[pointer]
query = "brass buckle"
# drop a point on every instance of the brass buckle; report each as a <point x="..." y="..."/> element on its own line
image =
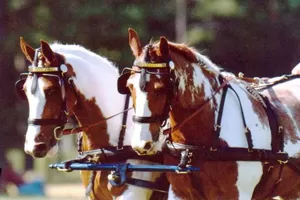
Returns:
<point x="94" y="158"/>
<point x="213" y="149"/>
<point x="283" y="161"/>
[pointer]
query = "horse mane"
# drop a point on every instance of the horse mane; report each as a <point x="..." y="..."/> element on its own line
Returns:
<point x="71" y="50"/>
<point x="190" y="54"/>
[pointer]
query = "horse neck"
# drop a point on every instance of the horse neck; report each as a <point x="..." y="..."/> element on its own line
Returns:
<point x="98" y="99"/>
<point x="195" y="91"/>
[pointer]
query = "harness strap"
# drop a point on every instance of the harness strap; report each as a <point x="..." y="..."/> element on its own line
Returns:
<point x="79" y="143"/>
<point x="227" y="154"/>
<point x="90" y="187"/>
<point x="152" y="119"/>
<point x="247" y="130"/>
<point x="148" y="185"/>
<point x="276" y="130"/>
<point x="124" y="120"/>
<point x="46" y="121"/>
<point x="220" y="115"/>
<point x="178" y="126"/>
<point x="221" y="108"/>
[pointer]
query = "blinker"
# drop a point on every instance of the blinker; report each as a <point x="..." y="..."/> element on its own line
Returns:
<point x="122" y="82"/>
<point x="19" y="88"/>
<point x="34" y="83"/>
<point x="143" y="81"/>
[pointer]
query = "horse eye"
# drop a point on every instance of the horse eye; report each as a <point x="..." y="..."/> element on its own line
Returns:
<point x="50" y="91"/>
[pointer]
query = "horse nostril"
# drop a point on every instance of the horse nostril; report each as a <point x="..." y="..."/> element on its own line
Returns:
<point x="148" y="145"/>
<point x="40" y="146"/>
<point x="40" y="150"/>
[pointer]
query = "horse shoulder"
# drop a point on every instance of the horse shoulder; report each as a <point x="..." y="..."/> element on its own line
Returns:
<point x="241" y="104"/>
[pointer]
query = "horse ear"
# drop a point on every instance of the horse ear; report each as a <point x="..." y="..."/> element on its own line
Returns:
<point x="47" y="51"/>
<point x="164" y="47"/>
<point x="27" y="50"/>
<point x="134" y="42"/>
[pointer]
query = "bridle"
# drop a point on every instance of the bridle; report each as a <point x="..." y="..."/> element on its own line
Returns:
<point x="56" y="72"/>
<point x="145" y="68"/>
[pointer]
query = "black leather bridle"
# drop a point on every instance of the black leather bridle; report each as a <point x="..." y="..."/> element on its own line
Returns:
<point x="40" y="71"/>
<point x="144" y="70"/>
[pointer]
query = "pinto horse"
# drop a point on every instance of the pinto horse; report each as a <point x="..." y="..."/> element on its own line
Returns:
<point x="66" y="80"/>
<point x="246" y="142"/>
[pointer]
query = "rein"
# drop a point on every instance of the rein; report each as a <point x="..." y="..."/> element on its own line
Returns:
<point x="87" y="127"/>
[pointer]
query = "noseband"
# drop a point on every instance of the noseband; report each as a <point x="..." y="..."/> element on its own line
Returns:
<point x="41" y="71"/>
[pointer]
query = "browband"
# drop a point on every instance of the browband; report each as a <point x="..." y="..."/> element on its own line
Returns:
<point x="61" y="68"/>
<point x="43" y="69"/>
<point x="149" y="65"/>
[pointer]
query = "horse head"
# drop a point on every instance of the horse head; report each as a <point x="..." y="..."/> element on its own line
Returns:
<point x="164" y="75"/>
<point x="45" y="88"/>
<point x="150" y="84"/>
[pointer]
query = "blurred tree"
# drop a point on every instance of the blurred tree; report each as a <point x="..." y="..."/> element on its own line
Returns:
<point x="98" y="25"/>
<point x="259" y="38"/>
<point x="7" y="95"/>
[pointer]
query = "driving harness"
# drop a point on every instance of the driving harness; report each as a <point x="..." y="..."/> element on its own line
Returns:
<point x="186" y="153"/>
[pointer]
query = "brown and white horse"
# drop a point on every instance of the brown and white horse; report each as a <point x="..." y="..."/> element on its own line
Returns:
<point x="218" y="119"/>
<point x="71" y="79"/>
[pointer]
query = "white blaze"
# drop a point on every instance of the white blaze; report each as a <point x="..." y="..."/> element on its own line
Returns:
<point x="37" y="103"/>
<point x="141" y="133"/>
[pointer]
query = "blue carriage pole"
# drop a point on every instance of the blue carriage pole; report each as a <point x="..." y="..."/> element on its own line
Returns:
<point x="118" y="175"/>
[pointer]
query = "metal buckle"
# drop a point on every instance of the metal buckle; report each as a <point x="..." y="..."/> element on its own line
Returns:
<point x="217" y="127"/>
<point x="271" y="167"/>
<point x="246" y="129"/>
<point x="55" y="133"/>
<point x="280" y="129"/>
<point x="94" y="158"/>
<point x="213" y="149"/>
<point x="182" y="171"/>
<point x="120" y="148"/>
<point x="283" y="161"/>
